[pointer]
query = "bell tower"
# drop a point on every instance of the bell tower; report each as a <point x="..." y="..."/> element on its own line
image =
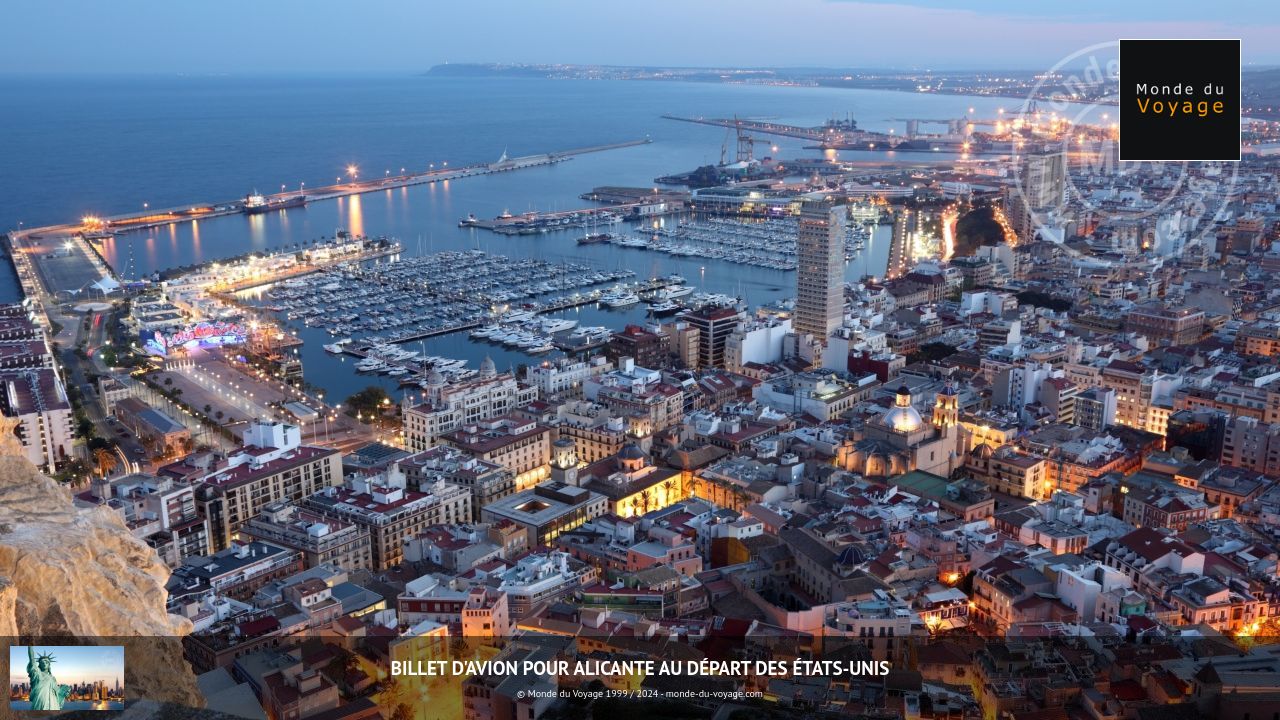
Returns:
<point x="564" y="461"/>
<point x="946" y="411"/>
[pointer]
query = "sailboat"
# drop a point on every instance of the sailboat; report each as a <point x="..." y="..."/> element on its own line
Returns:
<point x="592" y="237"/>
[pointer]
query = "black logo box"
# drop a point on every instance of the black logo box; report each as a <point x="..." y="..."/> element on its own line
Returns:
<point x="1186" y="65"/>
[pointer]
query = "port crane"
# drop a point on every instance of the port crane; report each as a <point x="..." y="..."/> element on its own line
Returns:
<point x="746" y="144"/>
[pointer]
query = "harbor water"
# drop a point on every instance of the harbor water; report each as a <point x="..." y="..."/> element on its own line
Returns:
<point x="106" y="146"/>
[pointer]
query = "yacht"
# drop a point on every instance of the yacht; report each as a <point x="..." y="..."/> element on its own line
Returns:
<point x="555" y="325"/>
<point x="618" y="300"/>
<point x="671" y="292"/>
<point x="665" y="307"/>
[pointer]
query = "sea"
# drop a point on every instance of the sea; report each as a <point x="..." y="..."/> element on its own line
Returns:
<point x="100" y="146"/>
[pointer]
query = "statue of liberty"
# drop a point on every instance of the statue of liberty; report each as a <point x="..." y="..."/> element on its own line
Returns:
<point x="46" y="693"/>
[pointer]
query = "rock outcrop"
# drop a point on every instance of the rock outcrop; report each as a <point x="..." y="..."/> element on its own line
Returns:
<point x="71" y="572"/>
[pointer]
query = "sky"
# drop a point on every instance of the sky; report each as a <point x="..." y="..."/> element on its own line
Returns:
<point x="409" y="36"/>
<point x="72" y="664"/>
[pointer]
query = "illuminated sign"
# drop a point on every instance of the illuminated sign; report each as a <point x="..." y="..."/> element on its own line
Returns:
<point x="199" y="335"/>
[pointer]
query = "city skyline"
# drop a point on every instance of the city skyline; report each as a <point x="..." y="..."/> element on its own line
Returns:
<point x="384" y="361"/>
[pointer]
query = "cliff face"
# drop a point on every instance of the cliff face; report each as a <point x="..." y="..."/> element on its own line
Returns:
<point x="76" y="572"/>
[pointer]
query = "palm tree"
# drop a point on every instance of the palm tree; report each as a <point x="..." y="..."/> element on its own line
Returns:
<point x="694" y="484"/>
<point x="670" y="487"/>
<point x="105" y="460"/>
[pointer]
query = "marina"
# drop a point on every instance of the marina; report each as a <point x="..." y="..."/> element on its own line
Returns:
<point x="423" y="296"/>
<point x="503" y="300"/>
<point x="768" y="243"/>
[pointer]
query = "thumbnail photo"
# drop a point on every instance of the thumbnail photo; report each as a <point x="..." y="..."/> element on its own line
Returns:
<point x="67" y="677"/>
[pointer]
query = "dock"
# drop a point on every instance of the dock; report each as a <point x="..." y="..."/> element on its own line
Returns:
<point x="38" y="241"/>
<point x="310" y="268"/>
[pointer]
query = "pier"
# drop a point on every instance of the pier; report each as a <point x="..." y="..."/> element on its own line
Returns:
<point x="153" y="218"/>
<point x="74" y="240"/>
<point x="566" y="303"/>
<point x="534" y="223"/>
<point x="296" y="271"/>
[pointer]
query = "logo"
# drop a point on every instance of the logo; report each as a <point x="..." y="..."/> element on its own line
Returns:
<point x="1075" y="108"/>
<point x="1180" y="100"/>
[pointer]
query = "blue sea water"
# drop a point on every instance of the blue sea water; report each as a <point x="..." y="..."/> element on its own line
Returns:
<point x="104" y="146"/>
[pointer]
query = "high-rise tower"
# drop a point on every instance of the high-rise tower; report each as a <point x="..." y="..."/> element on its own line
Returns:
<point x="820" y="274"/>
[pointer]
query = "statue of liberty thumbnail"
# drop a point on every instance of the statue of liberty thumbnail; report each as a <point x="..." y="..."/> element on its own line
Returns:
<point x="46" y="693"/>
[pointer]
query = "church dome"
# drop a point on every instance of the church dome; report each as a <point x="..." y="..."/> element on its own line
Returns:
<point x="487" y="368"/>
<point x="903" y="419"/>
<point x="435" y="377"/>
<point x="851" y="555"/>
<point x="631" y="451"/>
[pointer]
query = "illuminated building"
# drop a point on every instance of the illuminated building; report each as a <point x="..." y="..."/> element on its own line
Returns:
<point x="521" y="446"/>
<point x="547" y="510"/>
<point x="900" y="441"/>
<point x="272" y="465"/>
<point x="1041" y="190"/>
<point x="389" y="512"/>
<point x="714" y="326"/>
<point x="449" y="406"/>
<point x="487" y="481"/>
<point x="632" y="484"/>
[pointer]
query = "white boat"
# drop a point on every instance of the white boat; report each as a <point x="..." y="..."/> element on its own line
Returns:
<point x="664" y="307"/>
<point x="334" y="348"/>
<point x="620" y="300"/>
<point x="555" y="325"/>
<point x="671" y="292"/>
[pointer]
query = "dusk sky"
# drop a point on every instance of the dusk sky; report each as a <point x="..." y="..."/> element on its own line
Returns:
<point x="380" y="36"/>
<point x="72" y="664"/>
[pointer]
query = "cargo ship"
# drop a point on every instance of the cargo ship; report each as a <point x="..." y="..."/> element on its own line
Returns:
<point x="593" y="238"/>
<point x="255" y="203"/>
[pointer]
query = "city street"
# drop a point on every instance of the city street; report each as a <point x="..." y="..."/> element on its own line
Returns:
<point x="209" y="380"/>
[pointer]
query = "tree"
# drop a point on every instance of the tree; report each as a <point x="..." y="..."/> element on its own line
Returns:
<point x="218" y="415"/>
<point x="168" y="381"/>
<point x="75" y="471"/>
<point x="694" y="485"/>
<point x="208" y="408"/>
<point x="368" y="401"/>
<point x="105" y="460"/>
<point x="402" y="712"/>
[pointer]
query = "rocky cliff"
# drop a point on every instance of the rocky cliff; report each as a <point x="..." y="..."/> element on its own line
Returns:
<point x="78" y="573"/>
